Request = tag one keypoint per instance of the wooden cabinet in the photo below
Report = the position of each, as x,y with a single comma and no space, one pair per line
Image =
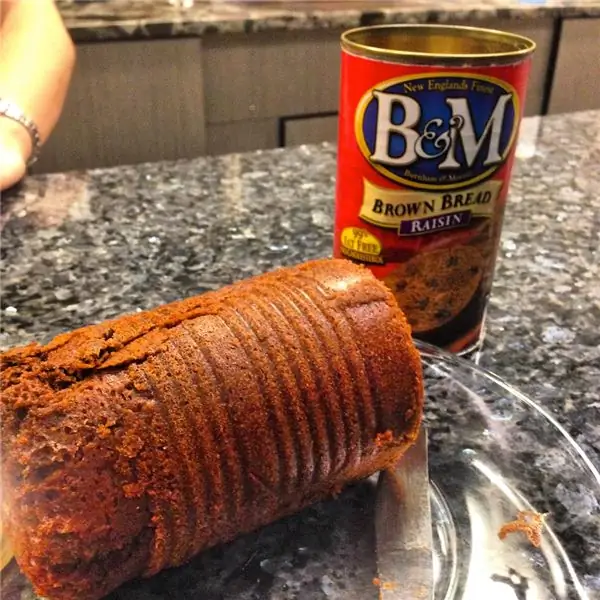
242,136
256,83
576,81
130,102
271,74
544,33
149,100
310,130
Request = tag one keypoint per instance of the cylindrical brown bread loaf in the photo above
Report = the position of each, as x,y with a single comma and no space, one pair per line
129,446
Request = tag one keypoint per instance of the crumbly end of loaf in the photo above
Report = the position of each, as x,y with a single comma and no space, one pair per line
132,445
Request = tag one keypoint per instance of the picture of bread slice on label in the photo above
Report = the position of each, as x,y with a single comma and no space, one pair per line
434,287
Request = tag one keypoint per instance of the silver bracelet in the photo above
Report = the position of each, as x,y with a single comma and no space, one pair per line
12,111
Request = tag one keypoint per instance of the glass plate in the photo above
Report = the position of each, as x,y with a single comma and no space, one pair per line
492,452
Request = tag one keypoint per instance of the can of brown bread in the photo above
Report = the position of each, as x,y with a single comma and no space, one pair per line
429,117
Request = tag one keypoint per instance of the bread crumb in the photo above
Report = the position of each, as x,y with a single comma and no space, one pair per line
384,585
529,522
133,490
103,431
382,439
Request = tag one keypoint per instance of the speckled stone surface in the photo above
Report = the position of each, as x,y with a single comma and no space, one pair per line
81,247
114,19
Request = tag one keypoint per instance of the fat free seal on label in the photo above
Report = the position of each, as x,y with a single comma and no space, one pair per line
429,117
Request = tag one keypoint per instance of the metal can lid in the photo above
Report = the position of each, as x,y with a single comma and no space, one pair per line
437,44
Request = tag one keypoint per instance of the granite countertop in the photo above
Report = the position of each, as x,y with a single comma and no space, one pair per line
84,246
118,19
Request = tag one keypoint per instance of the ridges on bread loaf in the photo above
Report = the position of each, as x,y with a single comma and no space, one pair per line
131,445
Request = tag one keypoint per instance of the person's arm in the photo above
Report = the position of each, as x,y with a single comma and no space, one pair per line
36,62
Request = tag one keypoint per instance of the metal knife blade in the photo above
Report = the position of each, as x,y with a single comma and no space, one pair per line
403,527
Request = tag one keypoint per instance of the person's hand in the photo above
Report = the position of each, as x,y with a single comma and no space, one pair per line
15,147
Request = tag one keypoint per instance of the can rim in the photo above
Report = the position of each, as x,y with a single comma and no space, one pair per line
524,46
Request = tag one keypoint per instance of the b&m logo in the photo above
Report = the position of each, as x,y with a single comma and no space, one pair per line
438,131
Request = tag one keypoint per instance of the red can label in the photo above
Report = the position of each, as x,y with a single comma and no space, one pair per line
424,161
